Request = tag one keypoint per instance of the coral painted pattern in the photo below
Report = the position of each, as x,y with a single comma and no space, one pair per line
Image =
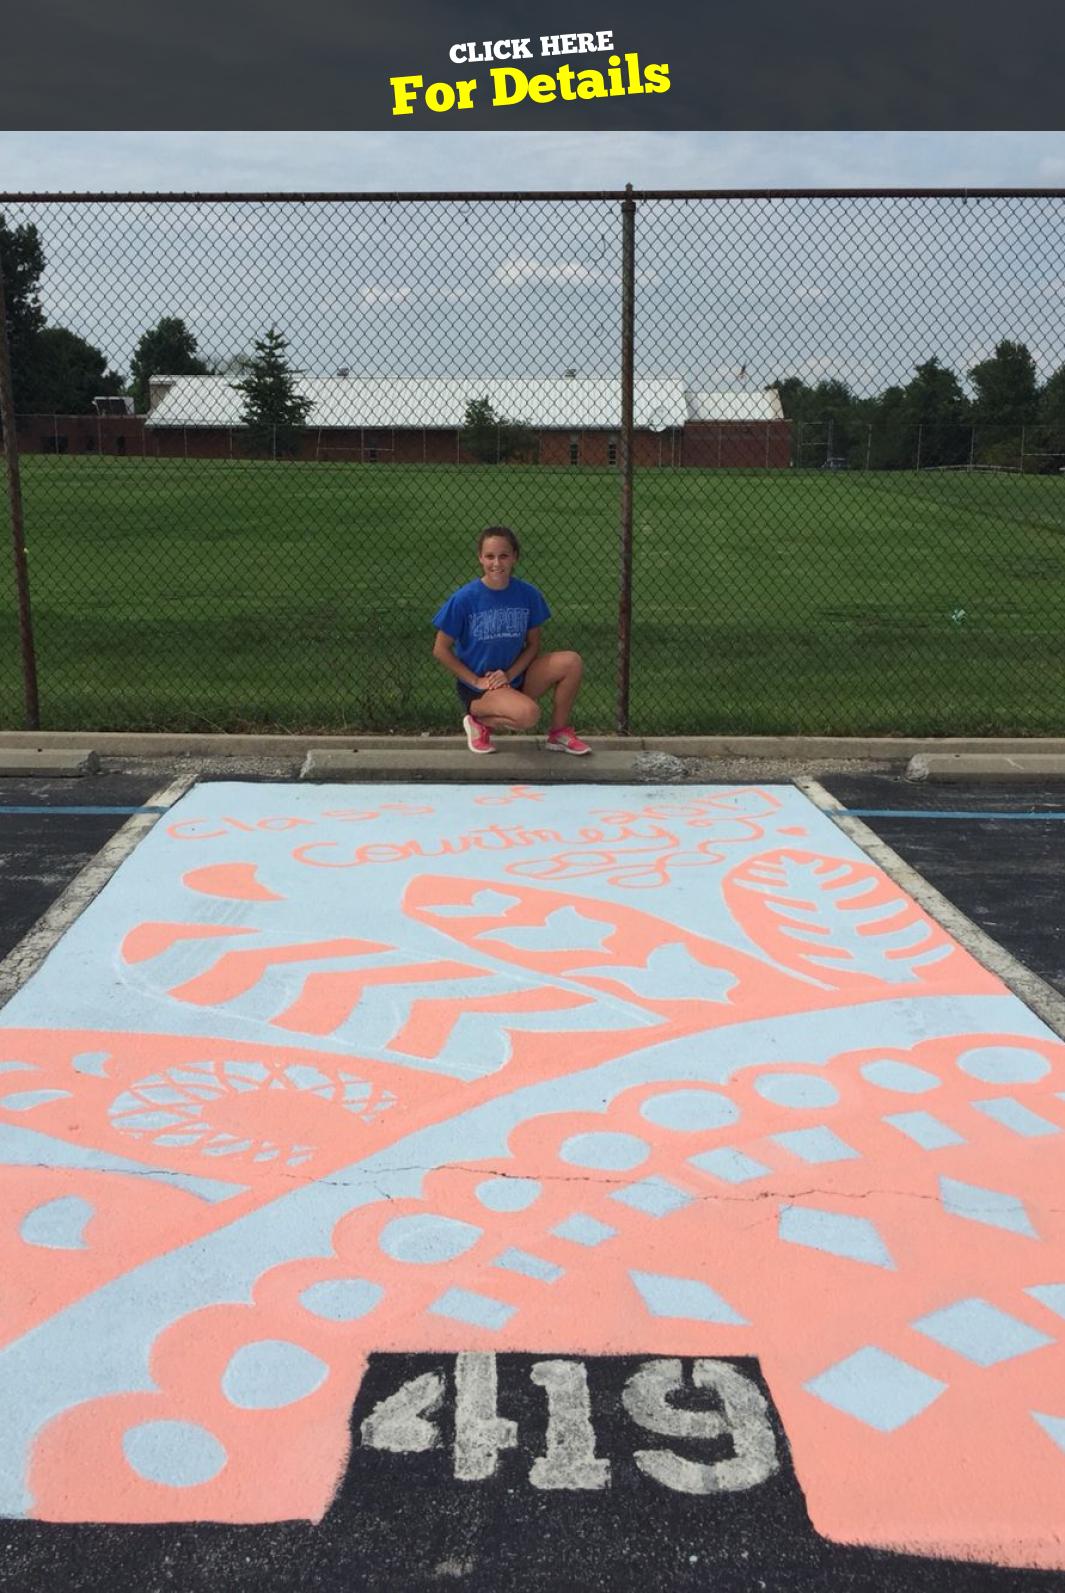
325,1071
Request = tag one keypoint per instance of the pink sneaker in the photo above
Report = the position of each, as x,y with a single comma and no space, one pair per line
565,739
477,737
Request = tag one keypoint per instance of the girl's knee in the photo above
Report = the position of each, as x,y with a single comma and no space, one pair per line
527,714
574,663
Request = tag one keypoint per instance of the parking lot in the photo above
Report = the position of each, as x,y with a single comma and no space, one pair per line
552,1460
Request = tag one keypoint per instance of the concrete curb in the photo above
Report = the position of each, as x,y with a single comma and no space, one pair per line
65,763
975,768
896,750
529,766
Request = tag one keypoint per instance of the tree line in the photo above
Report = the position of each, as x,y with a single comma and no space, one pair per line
928,422
56,372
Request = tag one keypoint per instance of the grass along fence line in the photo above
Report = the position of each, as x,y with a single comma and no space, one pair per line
202,594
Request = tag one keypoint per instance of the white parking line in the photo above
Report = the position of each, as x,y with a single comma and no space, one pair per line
1040,997
27,956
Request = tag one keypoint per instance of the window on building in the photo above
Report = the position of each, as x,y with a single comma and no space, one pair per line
574,453
90,445
51,444
371,454
612,451
120,445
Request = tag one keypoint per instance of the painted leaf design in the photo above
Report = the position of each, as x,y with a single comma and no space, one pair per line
841,920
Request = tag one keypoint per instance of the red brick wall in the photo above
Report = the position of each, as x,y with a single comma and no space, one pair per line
80,434
706,445
737,445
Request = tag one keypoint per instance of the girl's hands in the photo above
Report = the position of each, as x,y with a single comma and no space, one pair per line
493,681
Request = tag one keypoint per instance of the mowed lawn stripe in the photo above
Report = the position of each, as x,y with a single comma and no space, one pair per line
193,594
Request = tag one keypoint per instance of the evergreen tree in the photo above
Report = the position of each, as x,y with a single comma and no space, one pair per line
273,411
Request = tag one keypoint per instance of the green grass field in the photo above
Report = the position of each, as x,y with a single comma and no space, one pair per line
216,595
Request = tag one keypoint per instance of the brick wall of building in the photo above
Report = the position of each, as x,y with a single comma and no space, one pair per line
706,445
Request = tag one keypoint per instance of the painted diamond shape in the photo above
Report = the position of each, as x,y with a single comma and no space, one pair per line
925,1129
981,1332
530,1266
479,1310
876,1388
988,1206
854,1238
655,1196
732,1165
583,1230
1053,1426
816,1145
1017,1117
1052,1295
683,1297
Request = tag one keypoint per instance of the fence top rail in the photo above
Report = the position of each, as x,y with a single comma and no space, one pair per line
486,196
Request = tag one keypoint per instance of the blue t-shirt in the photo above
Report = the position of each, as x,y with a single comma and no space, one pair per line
489,626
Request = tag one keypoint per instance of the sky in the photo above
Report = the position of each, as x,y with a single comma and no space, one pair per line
740,294
290,161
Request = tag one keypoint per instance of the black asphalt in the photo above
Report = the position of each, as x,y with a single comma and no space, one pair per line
402,1521
1004,874
40,853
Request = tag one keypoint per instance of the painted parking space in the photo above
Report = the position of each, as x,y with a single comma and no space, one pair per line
675,1083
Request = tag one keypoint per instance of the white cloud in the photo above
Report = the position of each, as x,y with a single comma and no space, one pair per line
519,270
383,293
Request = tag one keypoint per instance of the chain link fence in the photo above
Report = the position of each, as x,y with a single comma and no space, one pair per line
780,462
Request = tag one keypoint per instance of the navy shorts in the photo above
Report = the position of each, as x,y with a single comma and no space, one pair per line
471,694
467,694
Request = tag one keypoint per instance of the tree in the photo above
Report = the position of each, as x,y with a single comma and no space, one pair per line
934,411
273,411
166,349
490,438
22,259
889,437
66,373
1006,393
1052,402
1045,450
231,364
826,420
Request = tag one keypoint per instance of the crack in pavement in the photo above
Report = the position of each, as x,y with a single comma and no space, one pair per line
751,1197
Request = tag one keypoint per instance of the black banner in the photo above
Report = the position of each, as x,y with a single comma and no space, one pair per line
330,64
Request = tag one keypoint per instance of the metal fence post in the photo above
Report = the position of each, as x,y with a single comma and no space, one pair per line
628,318
18,536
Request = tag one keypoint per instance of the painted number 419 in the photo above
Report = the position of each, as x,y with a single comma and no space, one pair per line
403,1423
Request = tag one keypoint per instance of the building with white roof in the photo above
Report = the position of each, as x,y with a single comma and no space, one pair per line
566,420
